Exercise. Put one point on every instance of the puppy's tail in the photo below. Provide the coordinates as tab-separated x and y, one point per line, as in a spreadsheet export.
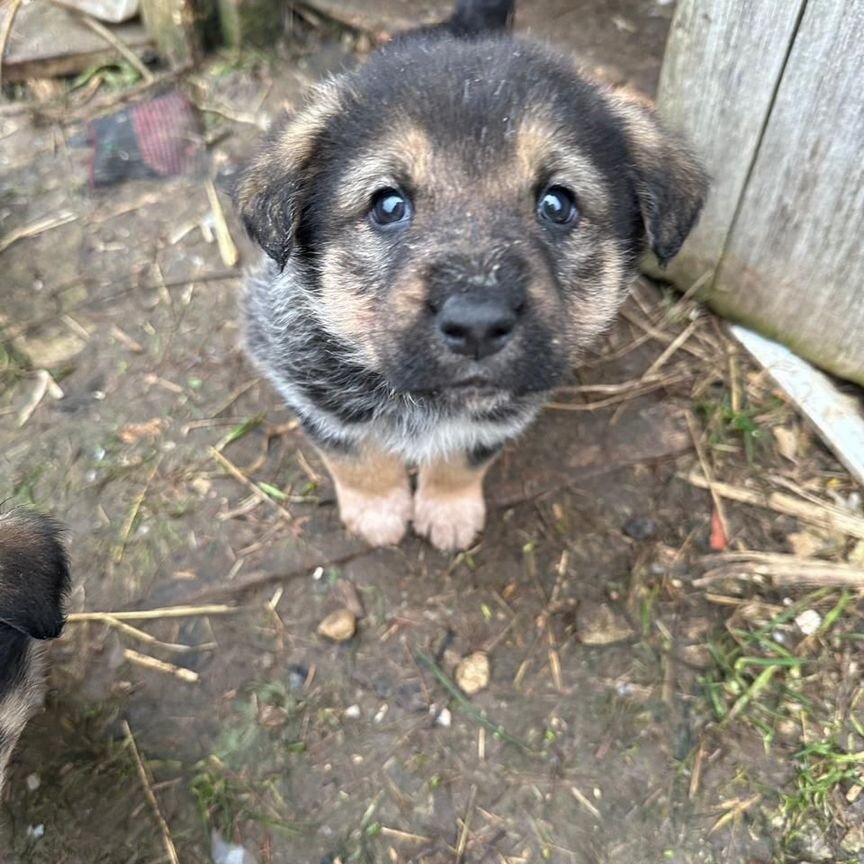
34	574
473	18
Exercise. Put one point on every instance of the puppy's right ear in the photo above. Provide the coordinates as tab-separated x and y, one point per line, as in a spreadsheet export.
270	191
34	574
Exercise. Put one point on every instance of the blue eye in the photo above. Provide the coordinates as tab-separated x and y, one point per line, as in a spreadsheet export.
390	208
557	205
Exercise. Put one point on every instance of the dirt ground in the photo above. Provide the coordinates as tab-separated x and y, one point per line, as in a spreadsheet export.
653	698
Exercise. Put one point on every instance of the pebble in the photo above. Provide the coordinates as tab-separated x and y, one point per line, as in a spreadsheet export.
640	528
228	853
352	712
33	782
445	718
340	626
601	624
472	673
809	621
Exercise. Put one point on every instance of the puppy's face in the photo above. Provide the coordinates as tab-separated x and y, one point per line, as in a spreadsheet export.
466	217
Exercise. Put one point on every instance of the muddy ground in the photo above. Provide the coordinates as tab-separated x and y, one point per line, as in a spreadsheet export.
638	711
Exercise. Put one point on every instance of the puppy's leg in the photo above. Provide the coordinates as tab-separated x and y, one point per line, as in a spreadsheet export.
373	492
449	508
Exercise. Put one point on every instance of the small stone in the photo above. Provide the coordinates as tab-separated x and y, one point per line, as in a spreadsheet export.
36	832
472	673
640	528
33	782
340	626
297	676
601	624
228	853
352	712
809	621
445	718
381	713
696	656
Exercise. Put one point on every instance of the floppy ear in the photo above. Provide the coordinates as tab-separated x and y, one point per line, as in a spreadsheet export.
34	574
269	192
670	183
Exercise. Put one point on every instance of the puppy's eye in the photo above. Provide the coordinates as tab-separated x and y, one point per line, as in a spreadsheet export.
557	206
390	208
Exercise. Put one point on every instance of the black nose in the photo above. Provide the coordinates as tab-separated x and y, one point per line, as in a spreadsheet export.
476	327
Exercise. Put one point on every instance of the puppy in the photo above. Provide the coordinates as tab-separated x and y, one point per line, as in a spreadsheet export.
446	229
34	581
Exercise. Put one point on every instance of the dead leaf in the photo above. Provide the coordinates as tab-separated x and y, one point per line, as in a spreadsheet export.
787	442
131	433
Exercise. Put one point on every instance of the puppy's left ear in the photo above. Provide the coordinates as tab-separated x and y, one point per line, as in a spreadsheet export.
670	183
269	193
34	574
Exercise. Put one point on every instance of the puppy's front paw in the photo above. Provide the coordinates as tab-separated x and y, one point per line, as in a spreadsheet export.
381	520
450	521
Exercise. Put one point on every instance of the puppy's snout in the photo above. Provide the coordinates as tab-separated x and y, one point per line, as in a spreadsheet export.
478	326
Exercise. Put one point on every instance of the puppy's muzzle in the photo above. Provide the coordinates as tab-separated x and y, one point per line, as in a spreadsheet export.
478	326
478	313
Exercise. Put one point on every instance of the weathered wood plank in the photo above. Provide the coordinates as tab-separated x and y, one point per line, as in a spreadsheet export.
173	26
794	265
722	64
47	40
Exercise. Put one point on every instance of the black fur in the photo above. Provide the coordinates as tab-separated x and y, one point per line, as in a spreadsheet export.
34	582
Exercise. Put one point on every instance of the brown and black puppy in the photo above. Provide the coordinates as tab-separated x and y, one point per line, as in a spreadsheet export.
446	230
34	581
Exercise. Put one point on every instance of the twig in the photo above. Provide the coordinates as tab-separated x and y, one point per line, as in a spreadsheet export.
583	800
465	833
630	393
148	662
150	795
119	46
238	475
706	470
148	639
257	581
782	570
8	21
227	250
120	548
823	515
478	716
40	226
188	611
38	394
679	340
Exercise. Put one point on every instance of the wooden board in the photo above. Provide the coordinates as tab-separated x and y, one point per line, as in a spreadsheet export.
48	41
172	24
722	64
794	265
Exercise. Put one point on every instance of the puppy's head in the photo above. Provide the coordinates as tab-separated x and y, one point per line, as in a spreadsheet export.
34	581
466	215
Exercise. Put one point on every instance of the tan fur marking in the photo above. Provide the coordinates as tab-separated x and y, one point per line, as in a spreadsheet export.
449	507
406	151
539	147
294	145
374	494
